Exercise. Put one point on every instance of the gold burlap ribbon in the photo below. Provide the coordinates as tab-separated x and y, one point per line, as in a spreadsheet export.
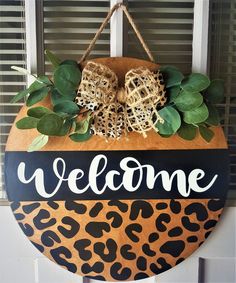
131	108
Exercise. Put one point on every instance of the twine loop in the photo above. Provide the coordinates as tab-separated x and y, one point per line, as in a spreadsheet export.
105	22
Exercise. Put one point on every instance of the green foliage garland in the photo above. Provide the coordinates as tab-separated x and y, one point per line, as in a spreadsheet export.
190	108
66	117
192	102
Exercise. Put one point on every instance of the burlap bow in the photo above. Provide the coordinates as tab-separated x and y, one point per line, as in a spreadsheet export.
117	111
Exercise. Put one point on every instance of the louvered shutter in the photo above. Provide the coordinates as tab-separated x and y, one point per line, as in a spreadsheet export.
12	52
223	65
166	27
69	27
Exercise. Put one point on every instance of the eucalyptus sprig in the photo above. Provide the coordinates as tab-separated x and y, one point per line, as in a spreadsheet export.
191	104
64	117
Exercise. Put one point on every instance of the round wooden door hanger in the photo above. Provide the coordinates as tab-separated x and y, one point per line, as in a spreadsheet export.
117	210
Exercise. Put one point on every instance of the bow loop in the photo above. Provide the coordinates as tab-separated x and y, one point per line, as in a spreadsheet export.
144	93
98	86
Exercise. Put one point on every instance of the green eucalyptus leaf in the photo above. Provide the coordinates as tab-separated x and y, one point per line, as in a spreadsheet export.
172	121
76	137
215	92
173	92
26	72
73	125
171	75
65	115
38	143
27	123
38	111
186	101
65	127
83	126
21	70
70	62
39	83
36	85
67	78
195	82
187	131
213	118
56	97
206	133
37	96
45	80
50	124
197	115
52	58
68	107
20	95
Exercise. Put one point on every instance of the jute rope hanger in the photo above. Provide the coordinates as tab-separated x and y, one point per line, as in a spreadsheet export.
105	22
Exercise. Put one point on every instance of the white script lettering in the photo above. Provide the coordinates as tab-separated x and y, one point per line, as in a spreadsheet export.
130	177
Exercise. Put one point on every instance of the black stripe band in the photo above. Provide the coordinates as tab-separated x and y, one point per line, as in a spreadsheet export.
179	164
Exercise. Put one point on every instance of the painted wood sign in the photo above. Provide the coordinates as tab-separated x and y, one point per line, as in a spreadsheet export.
117	214
117	210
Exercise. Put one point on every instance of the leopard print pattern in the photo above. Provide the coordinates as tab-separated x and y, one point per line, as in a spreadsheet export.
109	121
117	240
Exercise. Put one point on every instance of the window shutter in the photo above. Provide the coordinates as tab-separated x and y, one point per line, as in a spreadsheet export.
166	27
69	27
223	65
12	52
